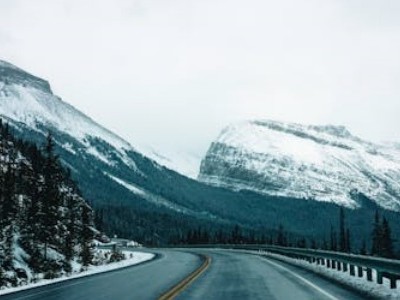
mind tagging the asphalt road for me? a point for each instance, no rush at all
(231, 275)
(239, 275)
(145, 281)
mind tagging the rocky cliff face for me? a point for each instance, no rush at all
(10, 74)
(325, 163)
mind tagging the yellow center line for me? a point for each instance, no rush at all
(181, 286)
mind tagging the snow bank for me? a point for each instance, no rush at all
(133, 258)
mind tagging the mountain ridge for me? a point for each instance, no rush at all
(142, 200)
(303, 161)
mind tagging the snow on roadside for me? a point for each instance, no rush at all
(382, 291)
(132, 258)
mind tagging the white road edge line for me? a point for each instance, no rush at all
(302, 279)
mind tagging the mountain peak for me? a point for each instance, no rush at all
(6, 65)
(303, 161)
(12, 75)
(252, 133)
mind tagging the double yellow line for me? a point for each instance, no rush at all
(181, 286)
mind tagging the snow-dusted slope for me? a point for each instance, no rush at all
(185, 163)
(27, 99)
(325, 163)
(105, 165)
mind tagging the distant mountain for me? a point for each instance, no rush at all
(325, 163)
(136, 197)
(109, 170)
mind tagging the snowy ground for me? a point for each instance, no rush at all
(132, 258)
(382, 291)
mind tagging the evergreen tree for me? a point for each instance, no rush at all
(348, 241)
(376, 235)
(9, 215)
(281, 238)
(363, 249)
(71, 219)
(313, 244)
(333, 238)
(324, 245)
(236, 235)
(51, 197)
(386, 242)
(87, 236)
(342, 231)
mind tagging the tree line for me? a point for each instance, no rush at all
(339, 240)
(42, 214)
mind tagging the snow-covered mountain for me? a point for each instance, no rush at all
(325, 163)
(137, 197)
(109, 170)
(29, 100)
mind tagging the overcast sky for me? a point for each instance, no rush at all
(172, 73)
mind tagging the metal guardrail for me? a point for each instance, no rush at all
(385, 268)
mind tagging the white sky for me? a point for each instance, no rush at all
(172, 73)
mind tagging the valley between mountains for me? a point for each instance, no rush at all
(257, 179)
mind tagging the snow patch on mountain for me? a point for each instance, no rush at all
(158, 200)
(185, 163)
(136, 190)
(325, 163)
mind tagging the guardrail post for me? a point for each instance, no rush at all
(379, 277)
(369, 274)
(333, 264)
(393, 282)
(352, 270)
(360, 271)
(339, 266)
(328, 263)
(323, 261)
(345, 267)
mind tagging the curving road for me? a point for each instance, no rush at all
(145, 281)
(240, 275)
(231, 275)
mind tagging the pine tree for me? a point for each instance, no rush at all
(376, 235)
(386, 243)
(2, 276)
(324, 244)
(342, 231)
(87, 236)
(236, 235)
(348, 241)
(333, 237)
(281, 238)
(51, 197)
(71, 219)
(313, 244)
(9, 214)
(363, 249)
